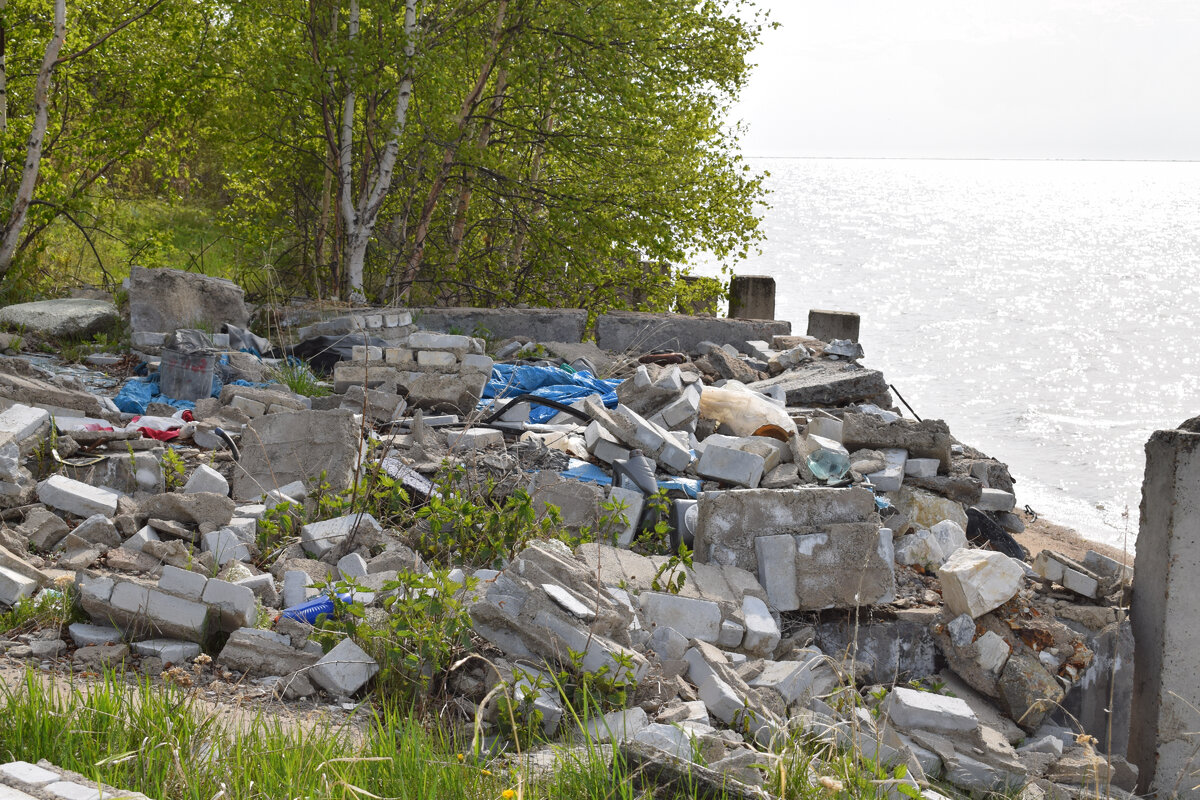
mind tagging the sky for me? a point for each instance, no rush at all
(1091, 79)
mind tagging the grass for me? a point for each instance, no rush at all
(300, 379)
(159, 741)
(48, 609)
(124, 233)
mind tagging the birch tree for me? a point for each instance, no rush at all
(360, 216)
(11, 233)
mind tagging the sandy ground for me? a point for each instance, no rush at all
(1046, 535)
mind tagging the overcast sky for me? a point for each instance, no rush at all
(977, 78)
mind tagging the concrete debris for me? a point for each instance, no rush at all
(835, 558)
(976, 581)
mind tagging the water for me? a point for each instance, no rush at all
(1046, 310)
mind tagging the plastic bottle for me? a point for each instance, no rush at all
(310, 609)
(635, 472)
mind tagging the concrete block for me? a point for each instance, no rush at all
(993, 652)
(43, 530)
(14, 587)
(731, 635)
(300, 445)
(762, 633)
(474, 439)
(830, 325)
(61, 493)
(225, 546)
(318, 538)
(27, 774)
(691, 617)
(251, 408)
(478, 363)
(398, 355)
(263, 587)
(727, 465)
(996, 500)
(428, 340)
(98, 529)
(890, 478)
(171, 651)
(922, 467)
(777, 570)
(344, 670)
(615, 726)
(182, 582)
(236, 604)
(752, 297)
(729, 522)
(297, 588)
(926, 711)
(206, 479)
(86, 635)
(826, 427)
(436, 358)
(977, 581)
(352, 565)
(669, 739)
(668, 644)
(22, 421)
(139, 539)
(631, 503)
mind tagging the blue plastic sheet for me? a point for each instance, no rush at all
(553, 383)
(590, 473)
(138, 393)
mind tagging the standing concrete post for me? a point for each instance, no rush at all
(830, 325)
(1163, 741)
(752, 297)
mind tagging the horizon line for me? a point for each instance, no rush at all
(982, 158)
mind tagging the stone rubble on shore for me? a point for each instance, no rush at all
(849, 577)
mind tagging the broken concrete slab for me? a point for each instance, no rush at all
(538, 324)
(976, 581)
(915, 710)
(165, 300)
(204, 510)
(297, 446)
(928, 439)
(74, 497)
(634, 331)
(320, 538)
(65, 317)
(827, 383)
(728, 523)
(140, 610)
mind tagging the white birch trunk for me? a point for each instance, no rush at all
(33, 150)
(360, 217)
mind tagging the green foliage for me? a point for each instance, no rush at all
(174, 470)
(54, 607)
(550, 157)
(464, 526)
(426, 628)
(300, 379)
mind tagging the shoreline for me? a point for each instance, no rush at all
(1047, 535)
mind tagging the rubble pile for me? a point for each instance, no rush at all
(763, 546)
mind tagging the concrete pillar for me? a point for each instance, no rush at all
(752, 297)
(1166, 616)
(830, 325)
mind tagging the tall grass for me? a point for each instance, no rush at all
(157, 740)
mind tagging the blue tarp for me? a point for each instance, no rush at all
(553, 383)
(137, 393)
(590, 473)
